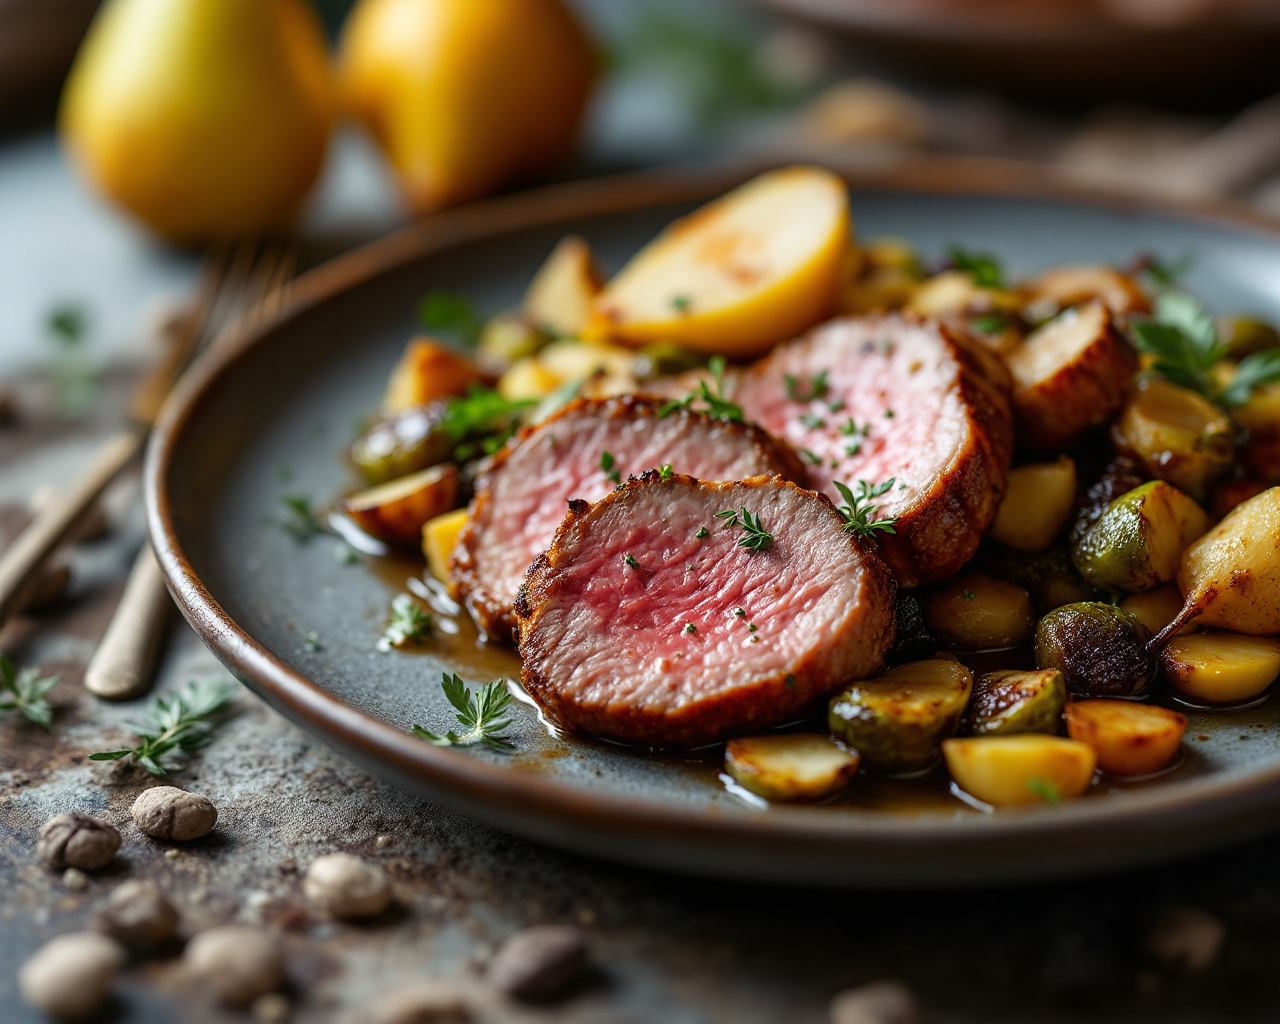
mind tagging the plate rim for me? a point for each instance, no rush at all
(531, 804)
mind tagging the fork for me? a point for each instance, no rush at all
(123, 666)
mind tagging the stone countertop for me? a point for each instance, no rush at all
(664, 948)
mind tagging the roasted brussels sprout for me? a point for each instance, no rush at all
(977, 612)
(1100, 650)
(1176, 435)
(1244, 335)
(410, 441)
(898, 720)
(1048, 576)
(1120, 477)
(666, 358)
(790, 766)
(1137, 543)
(1009, 702)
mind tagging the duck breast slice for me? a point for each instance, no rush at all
(583, 452)
(650, 621)
(895, 397)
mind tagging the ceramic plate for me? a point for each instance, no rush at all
(274, 416)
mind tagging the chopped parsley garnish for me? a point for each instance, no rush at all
(666, 472)
(853, 447)
(482, 421)
(790, 681)
(740, 612)
(800, 390)
(713, 401)
(312, 641)
(608, 468)
(984, 268)
(1183, 338)
(483, 716)
(812, 421)
(409, 623)
(752, 627)
(25, 692)
(889, 414)
(968, 595)
(811, 457)
(179, 723)
(300, 523)
(689, 627)
(680, 303)
(836, 406)
(443, 310)
(858, 509)
(1045, 790)
(851, 429)
(702, 532)
(631, 561)
(754, 536)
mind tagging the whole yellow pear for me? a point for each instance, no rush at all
(466, 96)
(204, 118)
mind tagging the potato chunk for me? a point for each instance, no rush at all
(428, 370)
(1221, 667)
(977, 612)
(396, 511)
(1009, 702)
(1008, 771)
(1069, 375)
(1156, 608)
(1137, 543)
(1129, 738)
(1176, 435)
(897, 720)
(1071, 285)
(559, 298)
(746, 271)
(1230, 577)
(1038, 499)
(794, 766)
(439, 537)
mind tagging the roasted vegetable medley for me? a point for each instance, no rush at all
(1126, 552)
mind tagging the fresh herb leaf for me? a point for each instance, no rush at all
(754, 536)
(968, 595)
(853, 447)
(666, 472)
(991, 323)
(607, 467)
(812, 421)
(984, 268)
(714, 402)
(689, 627)
(1253, 371)
(702, 532)
(799, 390)
(300, 521)
(680, 303)
(25, 692)
(483, 716)
(1045, 790)
(811, 457)
(175, 726)
(858, 508)
(312, 641)
(740, 612)
(1166, 274)
(851, 429)
(889, 414)
(631, 561)
(443, 310)
(790, 681)
(482, 421)
(74, 378)
(409, 623)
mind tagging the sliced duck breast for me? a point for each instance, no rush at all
(583, 452)
(662, 614)
(894, 397)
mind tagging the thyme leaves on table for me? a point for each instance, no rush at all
(754, 536)
(483, 715)
(175, 725)
(25, 691)
(858, 510)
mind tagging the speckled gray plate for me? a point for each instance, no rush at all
(274, 417)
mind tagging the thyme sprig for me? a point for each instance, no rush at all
(482, 421)
(754, 536)
(175, 726)
(713, 400)
(483, 716)
(25, 691)
(409, 623)
(859, 509)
